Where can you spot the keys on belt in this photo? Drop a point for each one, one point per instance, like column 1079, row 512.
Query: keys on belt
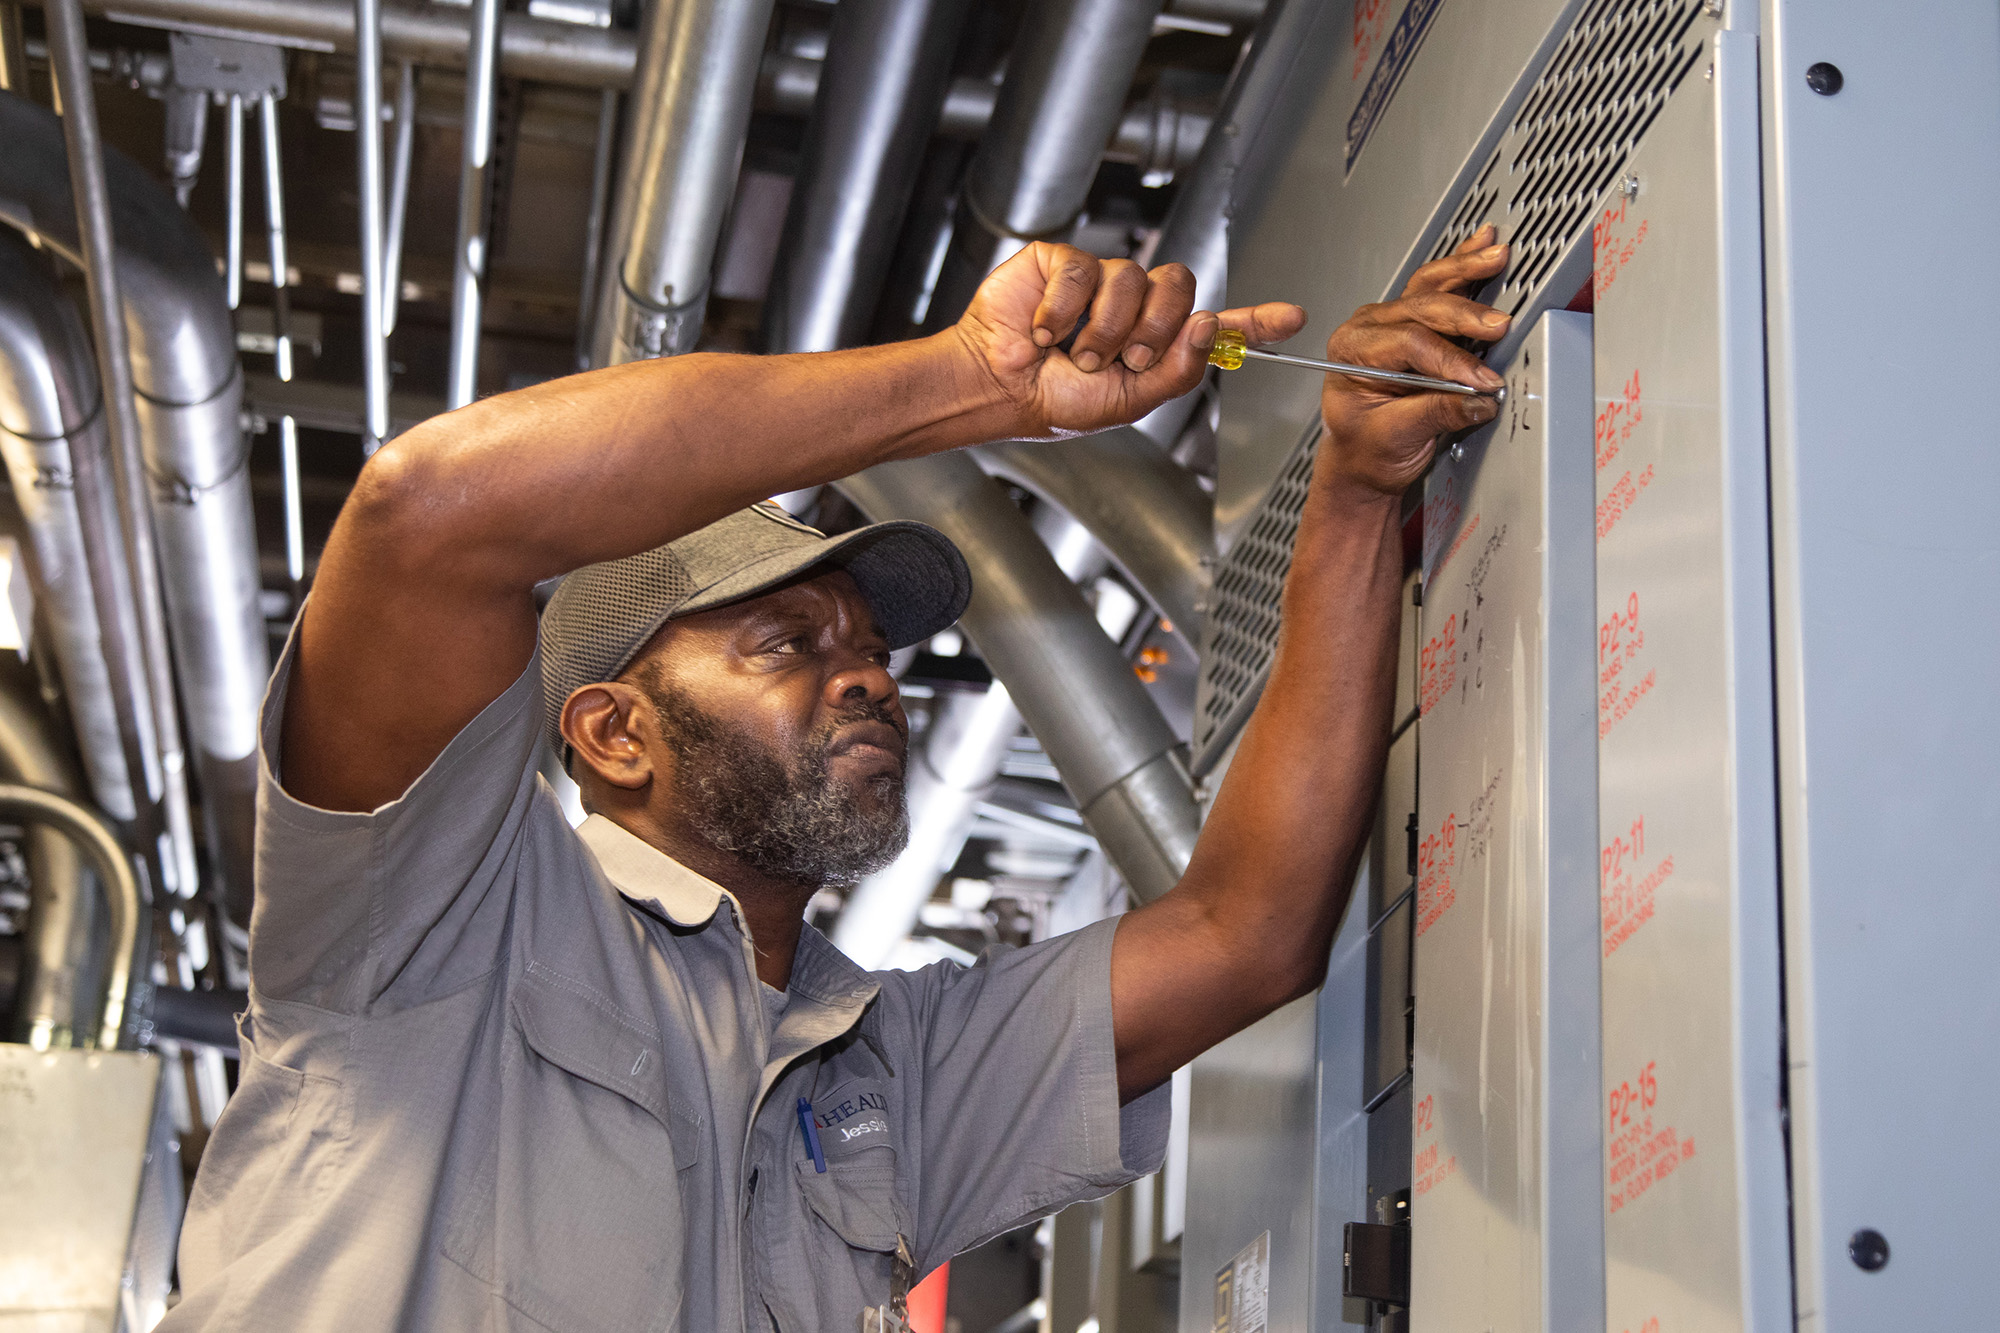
column 895, row 1316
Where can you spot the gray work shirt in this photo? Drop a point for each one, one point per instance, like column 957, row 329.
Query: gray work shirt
column 502, row 1074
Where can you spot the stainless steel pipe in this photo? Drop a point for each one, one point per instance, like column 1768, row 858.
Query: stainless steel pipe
column 195, row 463
column 530, row 48
column 887, row 67
column 1148, row 513
column 94, row 838
column 691, row 114
column 368, row 171
column 1066, row 82
column 90, row 197
column 468, row 272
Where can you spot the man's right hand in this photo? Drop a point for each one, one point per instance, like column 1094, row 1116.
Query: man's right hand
column 1144, row 343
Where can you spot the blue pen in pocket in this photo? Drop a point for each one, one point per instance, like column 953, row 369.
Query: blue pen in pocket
column 811, row 1133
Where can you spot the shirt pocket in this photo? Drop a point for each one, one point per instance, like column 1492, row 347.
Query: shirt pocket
column 856, row 1196
column 276, row 1152
column 577, row 1217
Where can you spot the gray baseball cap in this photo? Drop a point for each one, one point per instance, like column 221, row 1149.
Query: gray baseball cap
column 912, row 576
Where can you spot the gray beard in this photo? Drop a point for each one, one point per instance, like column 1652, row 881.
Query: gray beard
column 783, row 815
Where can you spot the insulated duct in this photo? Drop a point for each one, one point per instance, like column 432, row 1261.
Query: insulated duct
column 887, row 67
column 189, row 390
column 1115, row 752
column 1148, row 513
column 49, row 410
column 1067, row 77
column 697, row 76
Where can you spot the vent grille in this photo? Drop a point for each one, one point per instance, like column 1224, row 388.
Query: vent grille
column 1240, row 632
column 1575, row 131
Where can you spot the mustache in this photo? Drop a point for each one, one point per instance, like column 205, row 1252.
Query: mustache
column 856, row 714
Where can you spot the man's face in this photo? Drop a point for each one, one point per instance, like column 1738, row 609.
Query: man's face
column 785, row 731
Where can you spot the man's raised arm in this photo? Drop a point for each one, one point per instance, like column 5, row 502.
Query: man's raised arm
column 423, row 608
column 1251, row 922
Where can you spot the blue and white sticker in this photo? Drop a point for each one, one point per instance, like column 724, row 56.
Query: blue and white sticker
column 1397, row 53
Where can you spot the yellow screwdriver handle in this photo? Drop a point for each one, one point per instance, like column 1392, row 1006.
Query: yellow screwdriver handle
column 1227, row 349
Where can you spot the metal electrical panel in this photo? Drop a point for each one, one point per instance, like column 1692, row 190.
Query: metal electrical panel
column 1882, row 173
column 1695, row 1192
column 1506, row 1206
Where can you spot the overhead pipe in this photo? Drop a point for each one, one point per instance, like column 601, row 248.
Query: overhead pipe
column 401, row 153
column 1067, row 76
column 368, row 176
column 475, row 188
column 887, row 68
column 1149, row 514
column 52, row 1007
column 79, row 149
column 544, row 50
column 691, row 113
column 1196, row 229
column 281, row 336
column 195, row 461
column 127, row 900
column 1075, row 690
column 51, row 428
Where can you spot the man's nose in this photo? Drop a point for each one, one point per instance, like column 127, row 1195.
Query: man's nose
column 859, row 678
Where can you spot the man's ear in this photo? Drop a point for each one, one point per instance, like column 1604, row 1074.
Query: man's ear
column 608, row 725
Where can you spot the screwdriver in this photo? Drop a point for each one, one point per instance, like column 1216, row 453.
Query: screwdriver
column 1230, row 348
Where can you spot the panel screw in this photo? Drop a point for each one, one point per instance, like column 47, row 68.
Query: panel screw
column 1713, row 9
column 1824, row 78
column 1869, row 1249
column 1629, row 187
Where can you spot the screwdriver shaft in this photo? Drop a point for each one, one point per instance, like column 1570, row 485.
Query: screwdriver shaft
column 1371, row 373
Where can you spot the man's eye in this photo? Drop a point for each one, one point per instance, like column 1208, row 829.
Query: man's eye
column 796, row 644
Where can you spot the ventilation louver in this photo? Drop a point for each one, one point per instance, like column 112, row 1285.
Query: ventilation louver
column 1576, row 129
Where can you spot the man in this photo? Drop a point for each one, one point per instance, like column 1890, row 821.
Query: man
column 499, row 1074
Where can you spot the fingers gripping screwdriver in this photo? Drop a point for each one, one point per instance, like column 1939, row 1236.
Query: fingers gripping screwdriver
column 1231, row 348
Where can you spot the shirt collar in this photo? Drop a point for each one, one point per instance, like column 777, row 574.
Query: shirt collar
column 648, row 875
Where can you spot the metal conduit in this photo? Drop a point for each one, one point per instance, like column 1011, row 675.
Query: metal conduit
column 53, row 1008
column 691, row 114
column 78, row 149
column 887, row 67
column 368, row 175
column 189, row 392
column 544, row 50
column 468, row 273
column 1149, row 514
column 1067, row 76
column 1116, row 754
column 94, row 838
column 431, row 34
